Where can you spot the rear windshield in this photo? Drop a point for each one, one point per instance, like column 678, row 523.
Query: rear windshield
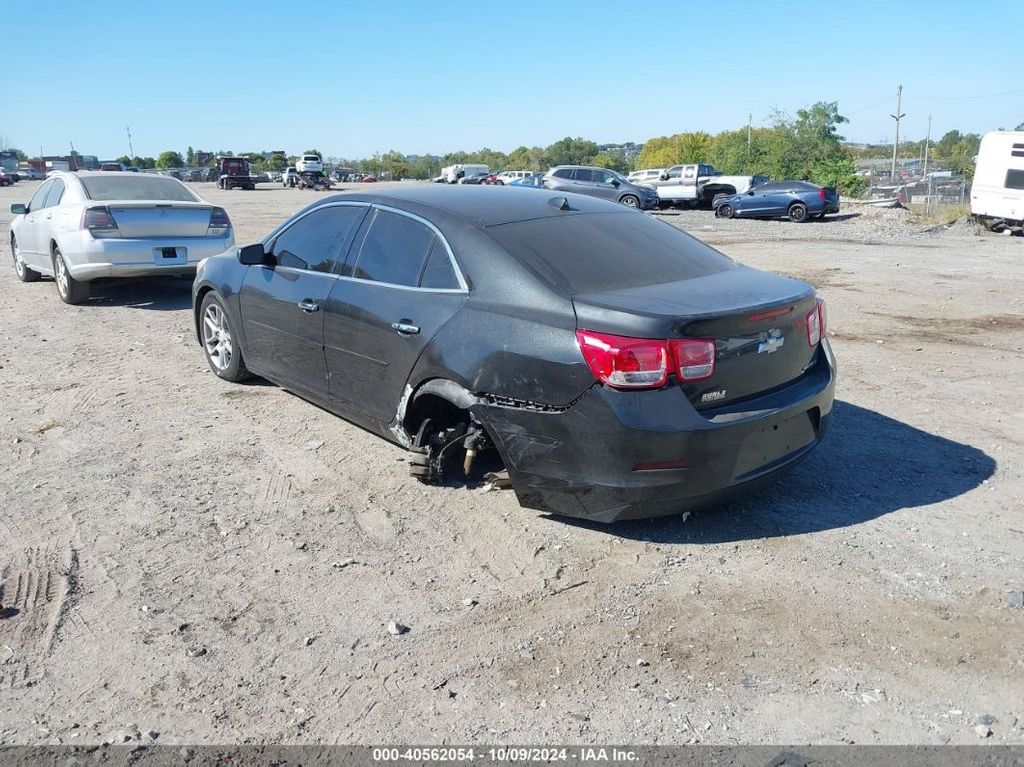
column 590, row 253
column 136, row 188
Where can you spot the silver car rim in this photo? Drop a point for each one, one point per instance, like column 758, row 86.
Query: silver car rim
column 217, row 337
column 631, row 202
column 62, row 274
column 19, row 263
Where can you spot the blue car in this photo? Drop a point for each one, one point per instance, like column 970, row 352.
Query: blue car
column 530, row 182
column 798, row 201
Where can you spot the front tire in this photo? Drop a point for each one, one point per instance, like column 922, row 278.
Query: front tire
column 220, row 341
column 70, row 290
column 630, row 201
column 798, row 213
column 724, row 211
column 25, row 274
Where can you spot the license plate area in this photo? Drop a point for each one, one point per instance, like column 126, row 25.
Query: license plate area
column 769, row 444
column 170, row 255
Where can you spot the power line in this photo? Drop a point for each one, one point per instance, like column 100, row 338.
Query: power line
column 962, row 98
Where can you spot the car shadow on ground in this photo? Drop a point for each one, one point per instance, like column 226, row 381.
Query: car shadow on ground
column 868, row 465
column 160, row 294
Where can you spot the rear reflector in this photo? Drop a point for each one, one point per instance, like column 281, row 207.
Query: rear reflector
column 99, row 222
column 625, row 363
column 695, row 357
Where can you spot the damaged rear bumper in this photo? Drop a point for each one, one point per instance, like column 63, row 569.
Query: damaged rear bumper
column 592, row 460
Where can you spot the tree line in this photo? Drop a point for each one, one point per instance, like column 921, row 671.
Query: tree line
column 805, row 146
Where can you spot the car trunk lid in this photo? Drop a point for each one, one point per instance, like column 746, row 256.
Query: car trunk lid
column 160, row 219
column 756, row 319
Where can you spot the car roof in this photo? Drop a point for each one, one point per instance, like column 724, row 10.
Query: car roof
column 483, row 205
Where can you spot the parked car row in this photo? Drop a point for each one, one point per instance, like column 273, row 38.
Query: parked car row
column 614, row 366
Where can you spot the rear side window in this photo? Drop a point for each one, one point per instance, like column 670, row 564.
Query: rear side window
column 136, row 187
column 315, row 241
column 608, row 251
column 1014, row 179
column 55, row 193
column 394, row 250
column 583, row 174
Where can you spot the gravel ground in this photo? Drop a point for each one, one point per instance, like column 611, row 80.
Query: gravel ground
column 213, row 563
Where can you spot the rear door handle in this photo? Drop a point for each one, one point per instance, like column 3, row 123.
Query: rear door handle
column 308, row 306
column 405, row 327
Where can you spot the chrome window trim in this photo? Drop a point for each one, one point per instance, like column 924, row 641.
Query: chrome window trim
column 282, row 228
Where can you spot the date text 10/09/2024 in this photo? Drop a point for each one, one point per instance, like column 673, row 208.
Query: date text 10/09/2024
column 504, row 754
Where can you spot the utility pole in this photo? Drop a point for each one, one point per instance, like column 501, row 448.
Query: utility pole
column 896, row 142
column 927, row 141
column 128, row 130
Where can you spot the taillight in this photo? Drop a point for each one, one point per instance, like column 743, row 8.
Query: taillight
column 219, row 223
column 625, row 363
column 821, row 193
column 815, row 322
column 695, row 358
column 99, row 222
column 634, row 363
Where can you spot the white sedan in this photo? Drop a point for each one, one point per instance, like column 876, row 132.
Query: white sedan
column 82, row 226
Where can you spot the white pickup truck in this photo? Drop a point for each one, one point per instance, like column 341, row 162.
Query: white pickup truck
column 698, row 184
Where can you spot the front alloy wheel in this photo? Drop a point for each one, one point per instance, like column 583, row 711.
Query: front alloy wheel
column 630, row 201
column 20, row 267
column 222, row 354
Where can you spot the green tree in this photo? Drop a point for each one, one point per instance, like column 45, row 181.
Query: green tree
column 571, row 151
column 169, row 159
column 394, row 162
column 492, row 158
column 143, row 162
column 190, row 156
column 125, row 160
column 611, row 161
column 957, row 151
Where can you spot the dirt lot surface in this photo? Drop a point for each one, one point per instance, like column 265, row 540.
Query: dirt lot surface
column 218, row 563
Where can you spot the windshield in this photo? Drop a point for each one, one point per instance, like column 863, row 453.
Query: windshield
column 136, row 188
column 608, row 251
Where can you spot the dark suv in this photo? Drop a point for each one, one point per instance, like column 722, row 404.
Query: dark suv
column 601, row 182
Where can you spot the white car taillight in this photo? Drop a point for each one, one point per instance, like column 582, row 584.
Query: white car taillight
column 99, row 222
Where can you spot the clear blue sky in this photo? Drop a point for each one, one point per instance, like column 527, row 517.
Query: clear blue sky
column 353, row 78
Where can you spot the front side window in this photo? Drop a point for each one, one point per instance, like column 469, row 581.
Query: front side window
column 394, row 250
column 675, row 172
column 314, row 242
column 37, row 199
column 54, row 195
column 563, row 173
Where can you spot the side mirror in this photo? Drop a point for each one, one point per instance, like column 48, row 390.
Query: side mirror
column 18, row 209
column 750, row 192
column 615, row 183
column 254, row 255
column 663, row 177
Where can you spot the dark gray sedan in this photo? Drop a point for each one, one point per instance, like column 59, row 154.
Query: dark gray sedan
column 798, row 201
column 615, row 366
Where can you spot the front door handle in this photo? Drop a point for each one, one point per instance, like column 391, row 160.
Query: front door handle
column 405, row 327
column 308, row 306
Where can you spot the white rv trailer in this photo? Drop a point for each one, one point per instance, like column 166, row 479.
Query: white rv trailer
column 997, row 194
